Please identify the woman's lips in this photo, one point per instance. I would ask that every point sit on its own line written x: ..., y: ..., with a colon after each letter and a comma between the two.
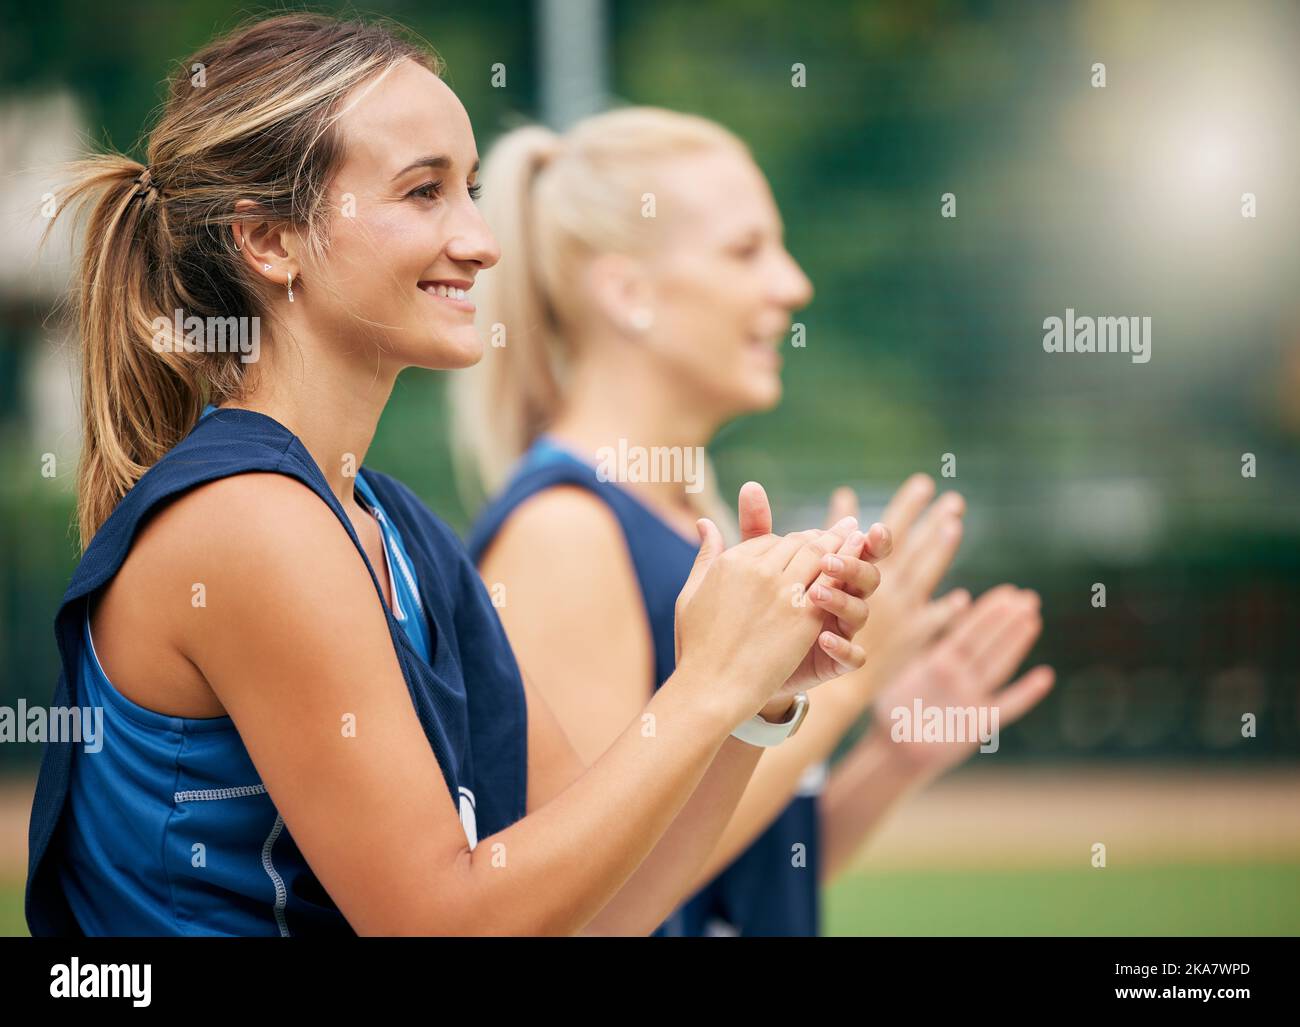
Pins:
x: 430, y: 289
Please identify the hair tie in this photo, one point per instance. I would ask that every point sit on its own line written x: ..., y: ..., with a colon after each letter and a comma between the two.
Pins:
x: 144, y: 186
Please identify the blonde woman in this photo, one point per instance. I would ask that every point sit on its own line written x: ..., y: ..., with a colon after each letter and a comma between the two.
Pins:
x: 314, y: 722
x: 639, y: 305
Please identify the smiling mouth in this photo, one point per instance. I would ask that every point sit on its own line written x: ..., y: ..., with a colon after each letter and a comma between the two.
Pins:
x: 449, y: 293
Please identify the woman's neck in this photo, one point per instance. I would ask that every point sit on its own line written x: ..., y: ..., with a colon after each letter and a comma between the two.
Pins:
x: 624, y: 417
x: 332, y: 411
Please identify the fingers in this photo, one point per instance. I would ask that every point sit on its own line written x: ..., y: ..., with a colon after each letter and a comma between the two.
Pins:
x: 932, y: 544
x: 983, y: 616
x: 784, y: 547
x: 844, y: 503
x: 880, y: 542
x: 754, y: 511
x: 788, y: 547
x: 858, y: 549
x: 1002, y: 651
x: 805, y: 562
x: 848, y: 655
x: 1021, y: 696
x: 851, y: 610
x: 848, y: 578
x: 938, y: 614
x: 930, y: 561
x: 852, y: 575
x: 711, y: 545
x: 907, y: 504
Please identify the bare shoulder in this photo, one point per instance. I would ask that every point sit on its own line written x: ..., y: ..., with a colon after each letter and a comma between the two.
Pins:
x: 215, y: 569
x: 568, y: 574
x: 566, y: 537
x: 238, y: 532
x: 561, y: 518
x: 238, y: 516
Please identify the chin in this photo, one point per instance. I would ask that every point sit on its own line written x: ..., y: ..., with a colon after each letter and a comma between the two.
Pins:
x: 464, y: 349
x: 761, y: 394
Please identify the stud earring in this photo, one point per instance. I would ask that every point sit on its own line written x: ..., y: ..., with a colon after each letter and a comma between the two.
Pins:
x: 290, y: 286
x: 640, y: 319
x: 266, y: 267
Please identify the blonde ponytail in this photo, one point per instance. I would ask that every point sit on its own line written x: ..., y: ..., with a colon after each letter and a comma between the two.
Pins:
x: 553, y: 203
x: 502, y: 404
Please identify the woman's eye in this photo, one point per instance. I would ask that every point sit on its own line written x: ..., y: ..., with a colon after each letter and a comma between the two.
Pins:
x: 428, y: 191
x: 433, y: 190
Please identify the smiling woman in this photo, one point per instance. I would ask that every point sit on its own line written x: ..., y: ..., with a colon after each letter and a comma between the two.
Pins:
x: 415, y: 226
x: 297, y: 739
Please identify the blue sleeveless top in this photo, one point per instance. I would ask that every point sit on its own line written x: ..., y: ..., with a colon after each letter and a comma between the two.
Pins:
x: 167, y: 828
x: 771, y: 888
x: 407, y: 607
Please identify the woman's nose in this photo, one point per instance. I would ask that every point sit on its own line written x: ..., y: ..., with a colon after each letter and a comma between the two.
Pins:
x: 796, y: 289
x: 473, y: 240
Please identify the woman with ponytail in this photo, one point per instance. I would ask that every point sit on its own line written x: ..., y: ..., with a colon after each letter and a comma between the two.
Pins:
x: 314, y: 722
x: 641, y: 297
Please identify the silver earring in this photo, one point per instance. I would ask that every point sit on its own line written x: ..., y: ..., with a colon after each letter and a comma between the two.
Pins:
x: 266, y: 267
x: 290, y: 286
x: 640, y: 319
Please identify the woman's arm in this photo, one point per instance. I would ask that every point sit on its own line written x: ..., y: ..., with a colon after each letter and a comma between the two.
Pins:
x: 655, y: 889
x: 573, y: 612
x: 868, y: 783
x: 966, y: 668
x: 903, y: 618
x: 575, y: 617
x: 294, y: 643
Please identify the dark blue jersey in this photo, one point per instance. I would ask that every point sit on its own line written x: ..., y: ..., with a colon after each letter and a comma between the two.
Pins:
x: 771, y: 888
x: 175, y: 783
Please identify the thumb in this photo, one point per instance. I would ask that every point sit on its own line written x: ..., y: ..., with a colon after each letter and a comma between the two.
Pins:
x: 755, y: 512
x: 844, y: 503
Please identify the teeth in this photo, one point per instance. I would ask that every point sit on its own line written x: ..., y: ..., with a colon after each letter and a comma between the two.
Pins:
x: 446, y: 291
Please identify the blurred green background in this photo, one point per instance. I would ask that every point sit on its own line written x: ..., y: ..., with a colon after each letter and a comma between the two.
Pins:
x: 925, y: 339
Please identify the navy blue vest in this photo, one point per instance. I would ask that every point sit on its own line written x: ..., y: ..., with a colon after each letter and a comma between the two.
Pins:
x: 470, y: 701
x: 771, y: 888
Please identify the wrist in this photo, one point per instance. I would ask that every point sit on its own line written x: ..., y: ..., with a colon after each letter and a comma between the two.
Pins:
x: 713, y: 702
x: 906, y: 764
x: 777, y: 709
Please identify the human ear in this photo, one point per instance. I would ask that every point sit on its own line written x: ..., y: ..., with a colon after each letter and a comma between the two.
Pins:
x: 268, y: 247
x: 621, y: 291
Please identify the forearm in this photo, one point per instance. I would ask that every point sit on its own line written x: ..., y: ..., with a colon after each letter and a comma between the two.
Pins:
x: 555, y: 870
x: 862, y: 789
x: 770, y: 789
x: 664, y: 880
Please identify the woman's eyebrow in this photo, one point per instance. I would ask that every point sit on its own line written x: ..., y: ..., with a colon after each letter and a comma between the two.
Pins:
x: 442, y: 162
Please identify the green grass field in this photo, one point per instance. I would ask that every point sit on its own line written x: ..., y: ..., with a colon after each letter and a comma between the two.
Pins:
x: 1211, y: 899
x: 11, y: 910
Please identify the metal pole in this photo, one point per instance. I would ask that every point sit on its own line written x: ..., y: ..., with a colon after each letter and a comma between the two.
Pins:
x: 573, y: 64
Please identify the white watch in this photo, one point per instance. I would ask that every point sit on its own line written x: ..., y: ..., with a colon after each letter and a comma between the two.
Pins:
x: 763, y: 733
